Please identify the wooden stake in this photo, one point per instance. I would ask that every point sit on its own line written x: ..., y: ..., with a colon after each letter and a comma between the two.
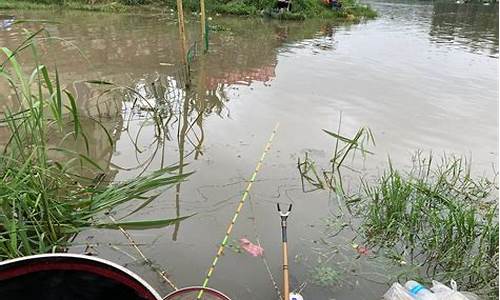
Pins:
x: 203, y: 25
x: 183, y: 42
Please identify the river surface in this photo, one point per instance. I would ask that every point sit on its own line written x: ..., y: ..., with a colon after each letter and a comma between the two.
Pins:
x: 421, y: 76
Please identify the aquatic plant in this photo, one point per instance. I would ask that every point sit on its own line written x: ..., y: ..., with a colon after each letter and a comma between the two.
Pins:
x: 331, y: 177
x: 436, y: 216
x: 324, y: 276
x: 435, y: 221
x: 44, y: 203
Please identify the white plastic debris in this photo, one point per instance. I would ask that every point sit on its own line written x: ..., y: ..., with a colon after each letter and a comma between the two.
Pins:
x: 442, y: 291
x: 397, y: 292
x: 294, y: 296
x: 416, y: 291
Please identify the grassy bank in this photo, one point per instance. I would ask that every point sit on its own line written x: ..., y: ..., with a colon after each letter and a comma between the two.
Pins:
x: 301, y: 9
x: 111, y: 6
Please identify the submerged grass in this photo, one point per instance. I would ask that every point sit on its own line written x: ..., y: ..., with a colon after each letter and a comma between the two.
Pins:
x: 43, y: 202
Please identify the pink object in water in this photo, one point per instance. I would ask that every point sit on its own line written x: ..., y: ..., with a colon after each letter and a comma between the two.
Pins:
x: 362, y: 250
x: 250, y: 248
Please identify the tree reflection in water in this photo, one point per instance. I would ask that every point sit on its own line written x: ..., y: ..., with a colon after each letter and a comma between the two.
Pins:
x: 471, y: 25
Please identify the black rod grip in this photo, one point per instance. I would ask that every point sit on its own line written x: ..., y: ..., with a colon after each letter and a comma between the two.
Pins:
x: 283, y: 234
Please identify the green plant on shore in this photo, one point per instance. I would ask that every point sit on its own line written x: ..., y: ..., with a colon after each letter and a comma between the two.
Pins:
x: 43, y: 203
x: 351, y: 10
x: 99, y: 6
x: 439, y: 217
x: 301, y: 9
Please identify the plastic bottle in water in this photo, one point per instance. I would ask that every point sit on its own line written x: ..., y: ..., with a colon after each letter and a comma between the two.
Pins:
x: 294, y: 296
x: 419, y: 291
x: 398, y: 292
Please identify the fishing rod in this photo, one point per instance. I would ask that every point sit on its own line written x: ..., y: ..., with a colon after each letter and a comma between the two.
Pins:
x: 237, y: 213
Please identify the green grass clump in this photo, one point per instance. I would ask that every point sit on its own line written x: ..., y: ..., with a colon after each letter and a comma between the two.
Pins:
x: 100, y: 6
x: 438, y: 217
x: 236, y: 7
x: 44, y: 202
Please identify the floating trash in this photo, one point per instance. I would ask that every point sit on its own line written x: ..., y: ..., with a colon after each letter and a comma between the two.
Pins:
x: 251, y: 248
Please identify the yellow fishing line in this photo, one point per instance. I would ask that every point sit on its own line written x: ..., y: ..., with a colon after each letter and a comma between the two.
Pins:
x: 237, y: 212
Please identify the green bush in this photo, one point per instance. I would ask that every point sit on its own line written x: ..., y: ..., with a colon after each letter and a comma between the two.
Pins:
x: 301, y: 9
x: 133, y: 2
x: 236, y: 8
x: 58, y: 2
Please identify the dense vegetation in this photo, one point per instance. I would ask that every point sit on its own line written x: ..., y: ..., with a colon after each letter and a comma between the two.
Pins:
x: 439, y: 218
x: 300, y: 9
x: 45, y: 200
x: 435, y: 220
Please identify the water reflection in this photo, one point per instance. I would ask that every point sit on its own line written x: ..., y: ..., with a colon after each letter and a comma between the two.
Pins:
x: 98, y: 145
x: 473, y: 26
x: 238, y: 57
x: 100, y: 123
x: 100, y: 148
x: 241, y: 54
x: 175, y: 109
x: 6, y: 22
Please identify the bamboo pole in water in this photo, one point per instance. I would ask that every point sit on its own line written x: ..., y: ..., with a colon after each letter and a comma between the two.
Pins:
x: 144, y: 257
x: 203, y: 25
x: 183, y: 42
x: 181, y: 139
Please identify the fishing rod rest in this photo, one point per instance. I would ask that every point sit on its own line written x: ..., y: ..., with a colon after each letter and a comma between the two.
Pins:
x: 284, y: 216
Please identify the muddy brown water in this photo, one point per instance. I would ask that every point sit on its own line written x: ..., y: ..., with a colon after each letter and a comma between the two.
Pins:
x: 421, y: 76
